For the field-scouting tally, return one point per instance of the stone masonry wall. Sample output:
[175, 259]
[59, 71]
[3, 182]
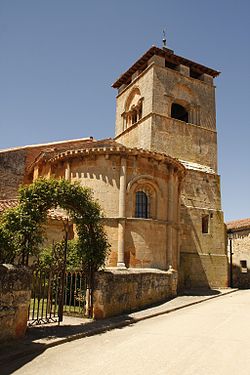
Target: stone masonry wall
[14, 164]
[170, 85]
[14, 301]
[144, 83]
[203, 261]
[184, 141]
[145, 240]
[122, 291]
[241, 252]
[12, 168]
[157, 131]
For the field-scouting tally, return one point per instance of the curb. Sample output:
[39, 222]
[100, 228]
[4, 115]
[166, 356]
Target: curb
[183, 306]
[123, 321]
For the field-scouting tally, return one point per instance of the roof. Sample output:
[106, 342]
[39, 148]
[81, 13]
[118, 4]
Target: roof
[51, 153]
[53, 213]
[54, 143]
[238, 224]
[105, 146]
[170, 57]
[7, 203]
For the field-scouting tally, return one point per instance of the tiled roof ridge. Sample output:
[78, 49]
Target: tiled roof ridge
[9, 199]
[8, 203]
[168, 54]
[53, 143]
[238, 224]
[53, 150]
[114, 147]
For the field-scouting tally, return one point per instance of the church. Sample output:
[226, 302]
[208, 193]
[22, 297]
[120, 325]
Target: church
[156, 180]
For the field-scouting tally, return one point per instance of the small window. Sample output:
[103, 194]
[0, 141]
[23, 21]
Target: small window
[170, 65]
[178, 112]
[243, 264]
[195, 74]
[141, 205]
[205, 223]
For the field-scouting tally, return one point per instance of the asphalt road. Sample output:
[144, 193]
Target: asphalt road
[209, 338]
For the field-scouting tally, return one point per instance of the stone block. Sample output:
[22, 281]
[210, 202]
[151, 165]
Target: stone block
[15, 293]
[123, 291]
[184, 70]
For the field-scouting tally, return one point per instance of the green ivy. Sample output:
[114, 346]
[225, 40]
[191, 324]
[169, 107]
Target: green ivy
[51, 257]
[21, 228]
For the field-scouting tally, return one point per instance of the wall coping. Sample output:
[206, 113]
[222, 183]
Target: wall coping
[131, 271]
[14, 277]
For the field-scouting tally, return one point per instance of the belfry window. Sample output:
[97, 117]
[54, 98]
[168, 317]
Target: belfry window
[134, 116]
[139, 109]
[141, 205]
[179, 112]
[133, 109]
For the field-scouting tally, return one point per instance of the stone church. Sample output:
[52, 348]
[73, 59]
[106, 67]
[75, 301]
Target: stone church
[156, 181]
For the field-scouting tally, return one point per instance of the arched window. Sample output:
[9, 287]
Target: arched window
[179, 112]
[133, 108]
[139, 109]
[133, 116]
[141, 204]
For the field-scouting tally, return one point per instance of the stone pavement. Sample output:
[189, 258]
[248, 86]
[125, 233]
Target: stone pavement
[39, 338]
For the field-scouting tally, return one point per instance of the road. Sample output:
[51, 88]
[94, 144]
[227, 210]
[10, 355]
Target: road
[209, 338]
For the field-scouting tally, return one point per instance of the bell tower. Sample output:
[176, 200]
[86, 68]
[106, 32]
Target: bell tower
[166, 104]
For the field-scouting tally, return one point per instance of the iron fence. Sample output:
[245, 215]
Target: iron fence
[56, 293]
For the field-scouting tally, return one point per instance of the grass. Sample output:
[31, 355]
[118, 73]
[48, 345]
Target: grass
[38, 309]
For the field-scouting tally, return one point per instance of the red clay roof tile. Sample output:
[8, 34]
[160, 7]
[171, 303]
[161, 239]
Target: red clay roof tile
[238, 224]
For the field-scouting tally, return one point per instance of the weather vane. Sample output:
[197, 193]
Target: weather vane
[164, 40]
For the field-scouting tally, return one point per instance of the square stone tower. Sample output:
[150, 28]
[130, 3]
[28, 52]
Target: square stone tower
[166, 104]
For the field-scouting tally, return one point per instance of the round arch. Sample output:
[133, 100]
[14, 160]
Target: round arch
[132, 99]
[26, 220]
[144, 179]
[146, 185]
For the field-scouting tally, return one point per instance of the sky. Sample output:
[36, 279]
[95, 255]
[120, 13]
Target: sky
[59, 58]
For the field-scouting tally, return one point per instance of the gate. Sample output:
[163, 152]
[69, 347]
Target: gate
[55, 293]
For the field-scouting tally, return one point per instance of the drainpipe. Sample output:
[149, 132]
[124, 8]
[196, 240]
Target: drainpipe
[230, 237]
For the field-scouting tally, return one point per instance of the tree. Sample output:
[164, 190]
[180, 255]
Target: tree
[7, 250]
[21, 228]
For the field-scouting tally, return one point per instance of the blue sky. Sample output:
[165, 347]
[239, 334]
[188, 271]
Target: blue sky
[60, 57]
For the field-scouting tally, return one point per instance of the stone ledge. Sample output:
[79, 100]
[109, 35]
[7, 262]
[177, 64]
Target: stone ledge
[115, 270]
[14, 277]
[119, 291]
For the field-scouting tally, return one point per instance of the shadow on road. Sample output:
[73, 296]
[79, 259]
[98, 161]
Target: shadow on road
[200, 292]
[16, 355]
[39, 338]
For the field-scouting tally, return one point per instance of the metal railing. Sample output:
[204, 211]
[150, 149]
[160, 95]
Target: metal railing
[52, 296]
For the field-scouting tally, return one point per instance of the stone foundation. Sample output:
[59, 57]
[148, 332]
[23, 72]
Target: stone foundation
[14, 301]
[122, 291]
[203, 271]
